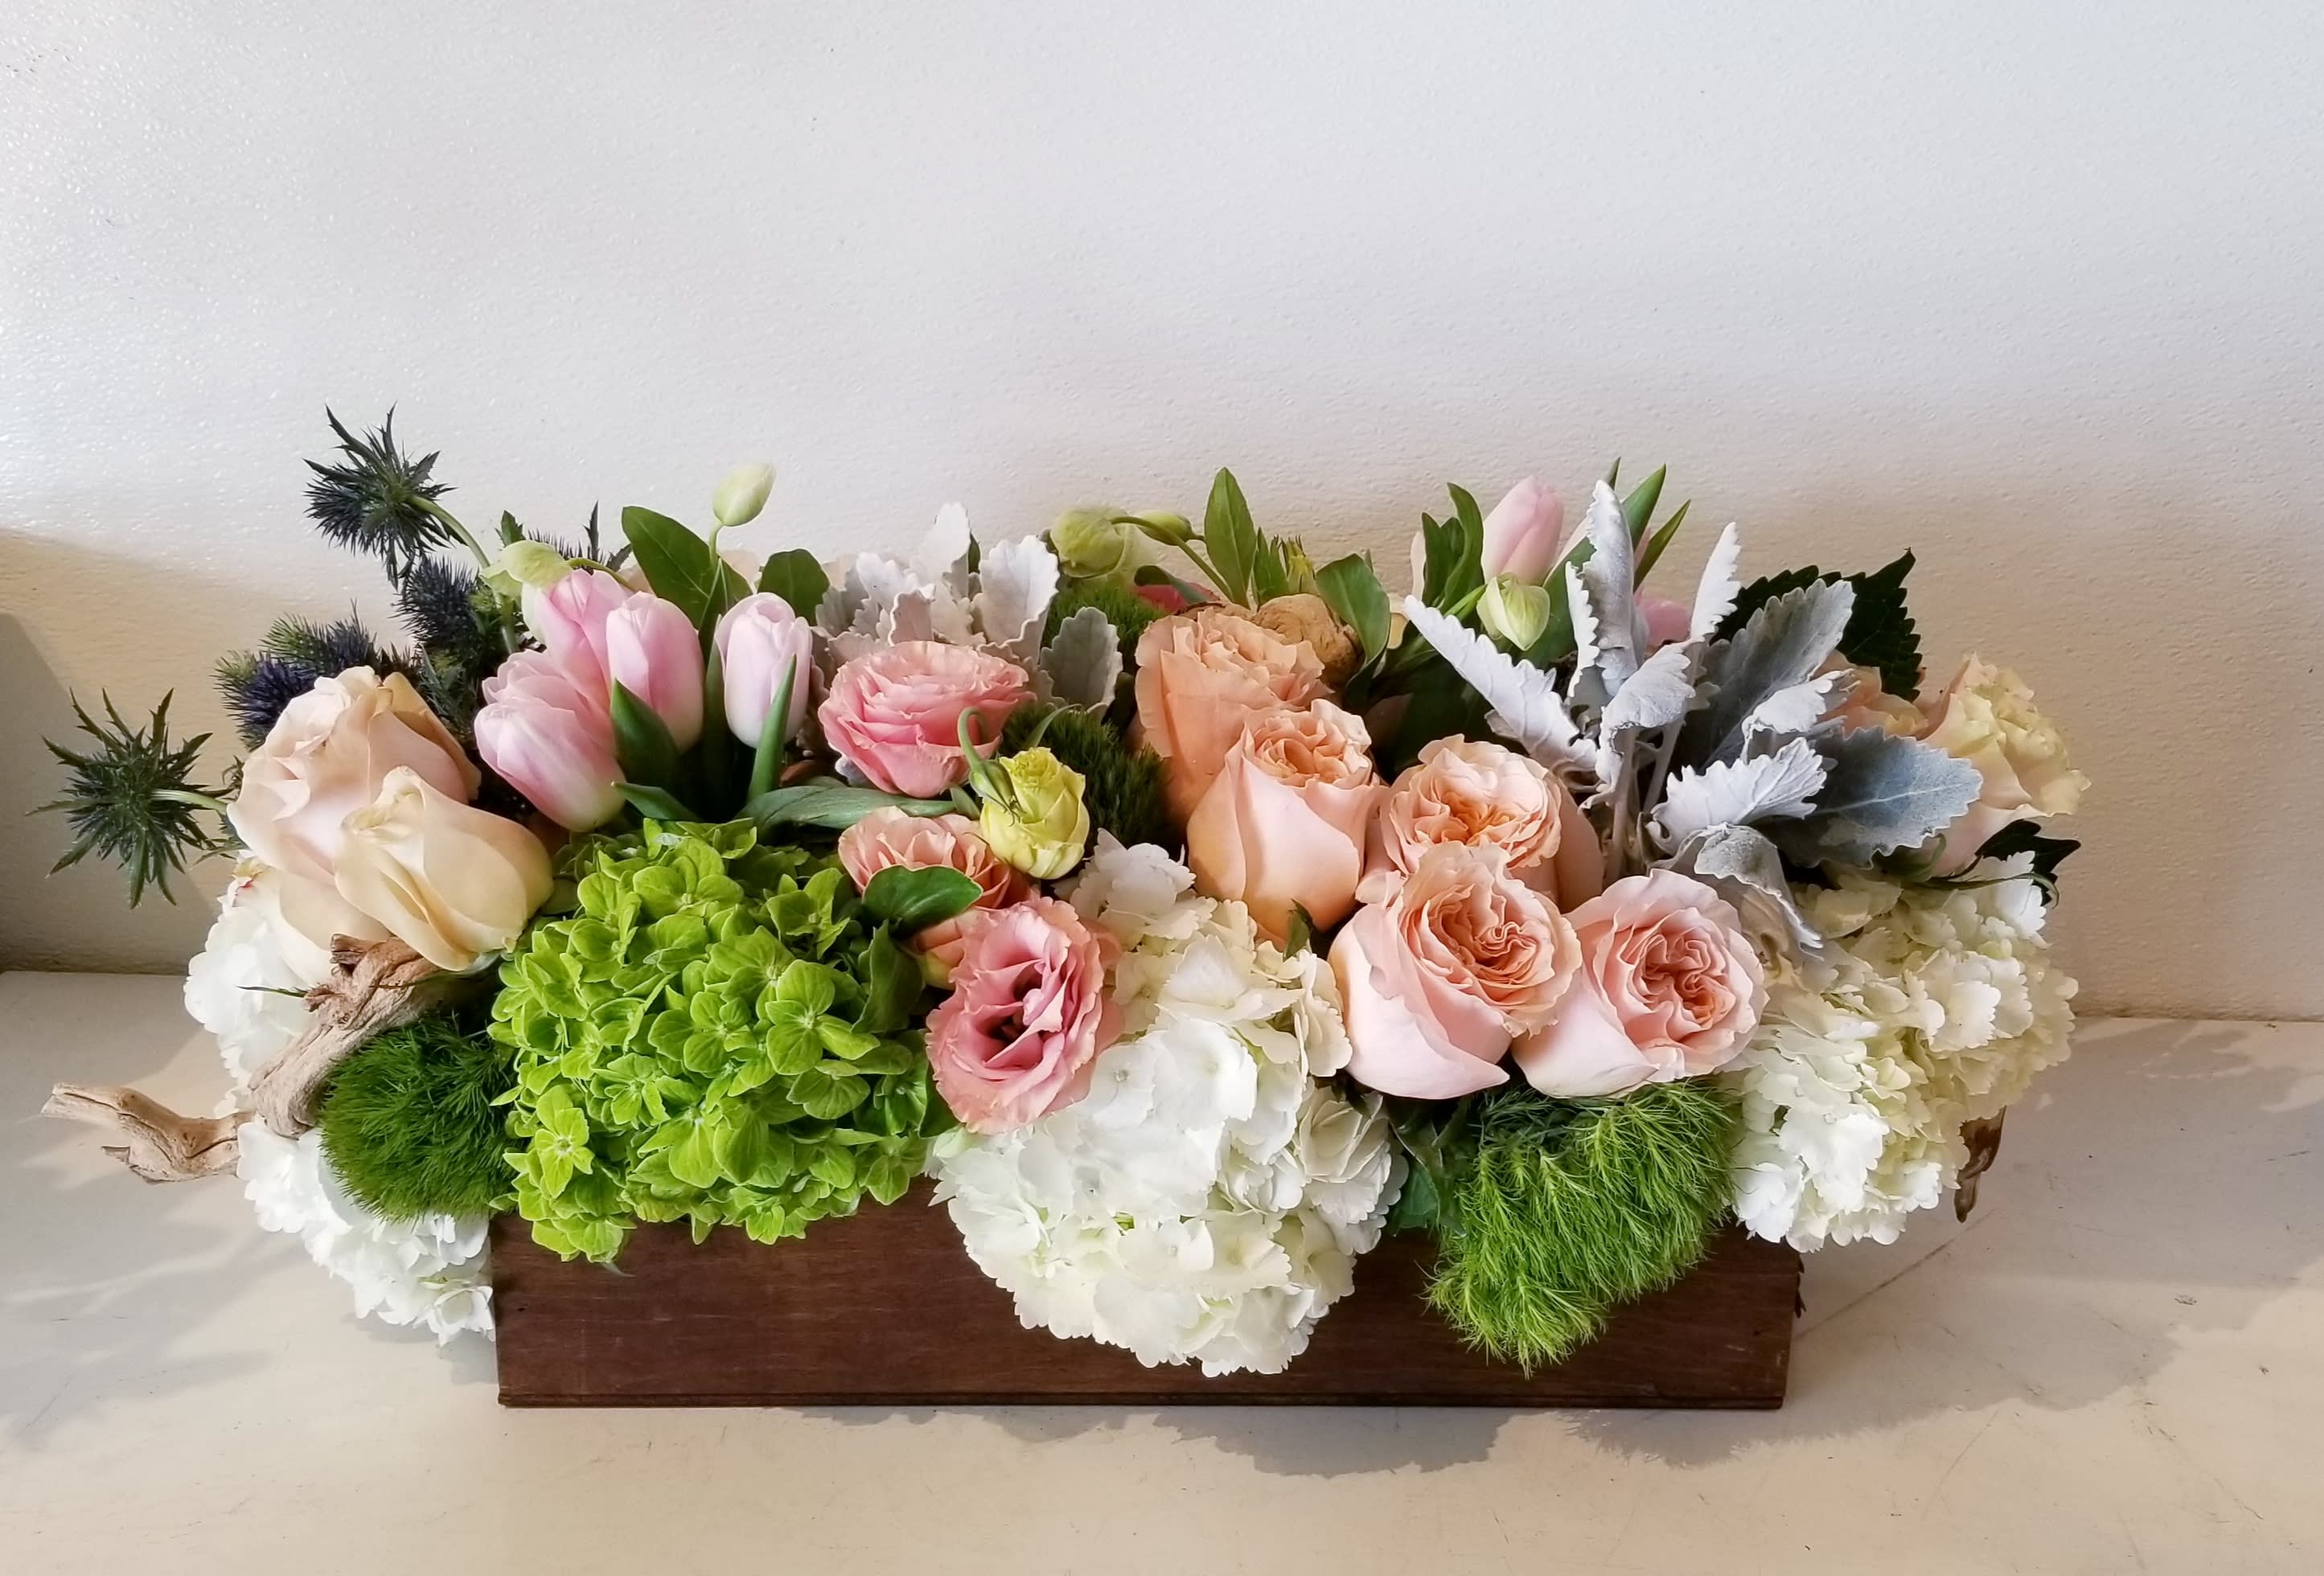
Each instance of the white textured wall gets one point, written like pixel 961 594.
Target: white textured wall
pixel 2034 289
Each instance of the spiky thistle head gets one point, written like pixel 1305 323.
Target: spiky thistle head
pixel 379 500
pixel 133 799
pixel 257 685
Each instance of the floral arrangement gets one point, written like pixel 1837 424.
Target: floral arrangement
pixel 1189 914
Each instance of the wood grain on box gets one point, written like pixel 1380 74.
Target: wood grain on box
pixel 886 1309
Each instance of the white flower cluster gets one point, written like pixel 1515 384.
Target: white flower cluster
pixel 1207 1199
pixel 1932 1007
pixel 430 1271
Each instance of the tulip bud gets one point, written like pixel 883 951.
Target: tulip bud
pixel 531 563
pixel 551 742
pixel 742 494
pixel 759 641
pixel 653 652
pixel 1037 823
pixel 1521 533
pixel 1091 540
pixel 1517 611
pixel 1172 530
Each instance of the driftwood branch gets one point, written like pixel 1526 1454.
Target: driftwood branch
pixel 161 1145
pixel 374 987
pixel 1984 1141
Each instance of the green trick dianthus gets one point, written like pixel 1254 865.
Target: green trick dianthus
pixel 410 1124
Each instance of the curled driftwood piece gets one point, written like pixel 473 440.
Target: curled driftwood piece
pixel 373 986
pixel 162 1146
pixel 1984 1141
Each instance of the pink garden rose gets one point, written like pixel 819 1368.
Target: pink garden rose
pixel 1437 980
pixel 552 741
pixel 325 758
pixel 1202 675
pixel 1027 1014
pixel 1669 988
pixel 894 715
pixel 890 839
pixel 1283 824
pixel 1521 533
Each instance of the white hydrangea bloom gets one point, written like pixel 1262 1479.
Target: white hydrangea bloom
pixel 428 1272
pixel 234 988
pixel 1932 1007
pixel 1207 1199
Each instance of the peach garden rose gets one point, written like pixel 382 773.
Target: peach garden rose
pixel 1202 675
pixel 1436 980
pixel 1284 823
pixel 889 838
pixel 1669 988
pixel 1487 795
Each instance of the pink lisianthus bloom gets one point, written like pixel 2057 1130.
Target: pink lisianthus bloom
pixel 890 839
pixel 1437 980
pixel 1669 988
pixel 1027 1014
pixel 1283 824
pixel 551 739
pixel 894 715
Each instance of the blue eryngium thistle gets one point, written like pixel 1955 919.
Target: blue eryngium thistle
pixel 257 685
pixel 382 501
pixel 133 799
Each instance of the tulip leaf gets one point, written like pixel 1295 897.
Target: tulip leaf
pixel 1231 539
pixel 832 805
pixel 1638 508
pixel 1351 588
pixel 655 804
pixel 1452 553
pixel 642 742
pixel 796 576
pixel 681 568
pixel 913 899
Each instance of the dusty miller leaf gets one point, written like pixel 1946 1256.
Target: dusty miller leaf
pixel 1608 576
pixel 1523 700
pixel 1784 643
pixel 1744 867
pixel 1082 664
pixel 1881 793
pixel 1015 582
pixel 1714 594
pixel 1739 792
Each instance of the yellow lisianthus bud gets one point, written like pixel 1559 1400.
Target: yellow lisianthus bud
pixel 742 494
pixel 1091 540
pixel 1517 611
pixel 1036 823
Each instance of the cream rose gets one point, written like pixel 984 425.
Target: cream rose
pixel 1202 675
pixel 452 882
pixel 1485 795
pixel 1987 718
pixel 1436 980
pixel 1283 824
pixel 327 757
pixel 1669 988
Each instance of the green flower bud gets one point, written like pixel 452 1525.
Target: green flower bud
pixel 1036 822
pixel 1091 540
pixel 1515 610
pixel 1172 530
pixel 740 496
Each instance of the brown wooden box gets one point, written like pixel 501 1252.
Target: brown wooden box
pixel 886 1309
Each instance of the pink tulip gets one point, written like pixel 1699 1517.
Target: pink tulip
pixel 759 639
pixel 653 652
pixel 1521 532
pixel 551 741
pixel 570 619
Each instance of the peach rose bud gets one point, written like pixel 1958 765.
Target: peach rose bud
pixel 1284 823
pixel 1669 988
pixel 890 839
pixel 1202 675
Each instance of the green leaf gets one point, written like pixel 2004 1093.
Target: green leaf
pixel 913 899
pixel 642 743
pixel 796 576
pixel 1155 575
pixel 892 985
pixel 654 804
pixel 1452 553
pixel 2026 837
pixel 681 568
pixel 1418 1207
pixel 1230 538
pixel 832 805
pixel 1350 587
pixel 1638 508
pixel 1656 544
pixel 1302 937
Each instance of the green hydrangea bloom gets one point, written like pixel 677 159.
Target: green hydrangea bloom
pixel 717 1032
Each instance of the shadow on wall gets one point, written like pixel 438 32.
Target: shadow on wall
pixel 79 918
